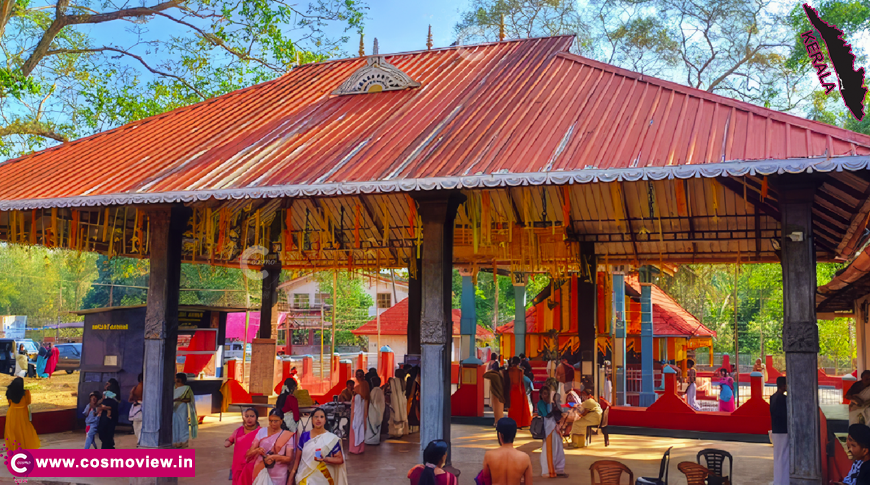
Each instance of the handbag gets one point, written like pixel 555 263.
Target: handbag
pixel 135 413
pixel 274 450
pixel 537 428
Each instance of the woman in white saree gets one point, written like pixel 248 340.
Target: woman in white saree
pixel 552 451
pixel 185 424
pixel 375 416
pixel 398 423
pixel 319 460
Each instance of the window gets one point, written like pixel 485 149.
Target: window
pixel 321 299
pixel 300 300
pixel 384 300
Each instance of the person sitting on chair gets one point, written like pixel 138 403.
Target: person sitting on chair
pixel 589 415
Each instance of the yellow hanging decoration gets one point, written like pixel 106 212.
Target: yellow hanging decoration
pixel 256 225
pixel 134 242
pixel 105 224
pixel 714 186
pixel 485 218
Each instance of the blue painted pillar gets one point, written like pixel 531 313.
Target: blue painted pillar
pixel 619 337
pixel 647 384
pixel 519 282
pixel 468 323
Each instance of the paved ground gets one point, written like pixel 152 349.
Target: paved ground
pixel 388 463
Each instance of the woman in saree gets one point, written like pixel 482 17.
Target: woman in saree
pixel 53 357
pixel 272 452
pixel 521 409
pixel 358 415
pixel 375 417
pixel 19 431
pixel 398 422
pixel 184 422
pixel 726 392
pixel 319 460
pixel 289 405
pixel 412 393
pixel 573 401
pixel 241 440
pixel 431 472
pixel 41 361
pixel 552 452
pixel 21 362
pixel 859 400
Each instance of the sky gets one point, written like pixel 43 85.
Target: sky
pixel 402 25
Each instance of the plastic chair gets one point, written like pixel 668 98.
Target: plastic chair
pixel 695 473
pixel 715 462
pixel 609 472
pixel 602 426
pixel 663 472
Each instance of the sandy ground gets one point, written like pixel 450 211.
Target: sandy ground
pixel 389 463
pixel 57 392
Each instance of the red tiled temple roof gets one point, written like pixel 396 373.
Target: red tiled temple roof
pixel 491 115
pixel 394 321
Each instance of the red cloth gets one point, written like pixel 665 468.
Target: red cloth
pixel 51 365
pixel 519 410
pixel 445 478
pixel 292 404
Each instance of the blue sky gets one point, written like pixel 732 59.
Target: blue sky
pixel 401 25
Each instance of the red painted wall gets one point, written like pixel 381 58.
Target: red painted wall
pixel 45 422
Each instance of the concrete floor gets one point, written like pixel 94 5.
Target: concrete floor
pixel 389 463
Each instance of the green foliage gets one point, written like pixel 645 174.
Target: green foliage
pixel 352 307
pixel 112 65
pixel 707 291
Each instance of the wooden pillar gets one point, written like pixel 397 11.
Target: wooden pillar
pixel 587 309
pixel 264 348
pixel 161 325
pixel 438 211
pixel 519 284
pixel 800 333
pixel 415 309
pixel 647 383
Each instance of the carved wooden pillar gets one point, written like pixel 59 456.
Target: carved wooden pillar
pixel 415 308
pixel 161 324
pixel 800 333
pixel 587 310
pixel 263 348
pixel 438 211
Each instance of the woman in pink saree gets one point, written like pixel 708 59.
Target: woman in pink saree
pixel 726 392
pixel 273 452
pixel 242 438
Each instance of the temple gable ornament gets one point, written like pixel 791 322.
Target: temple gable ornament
pixel 376 76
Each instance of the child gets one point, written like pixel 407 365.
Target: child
pixel 92 417
pixel 858 443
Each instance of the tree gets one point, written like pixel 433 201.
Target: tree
pixel 75 68
pixel 352 305
pixel 737 48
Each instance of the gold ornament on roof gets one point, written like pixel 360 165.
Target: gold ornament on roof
pixel 376 76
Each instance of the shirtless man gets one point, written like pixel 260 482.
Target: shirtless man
pixel 506 465
pixel 565 376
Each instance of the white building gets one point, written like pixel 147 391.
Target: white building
pixel 304 292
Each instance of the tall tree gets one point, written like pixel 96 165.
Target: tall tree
pixel 72 68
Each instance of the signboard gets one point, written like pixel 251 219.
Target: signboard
pixel 193 320
pixel 14 326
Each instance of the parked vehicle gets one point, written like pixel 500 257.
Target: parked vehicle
pixel 233 350
pixel 69 358
pixel 9 346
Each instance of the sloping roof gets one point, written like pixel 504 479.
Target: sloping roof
pixel 394 321
pixel 848 285
pixel 499 114
pixel 669 318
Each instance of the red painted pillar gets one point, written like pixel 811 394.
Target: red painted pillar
pixel 386 364
pixel 307 367
pixel 670 380
pixel 345 371
pixel 848 380
pixel 362 362
pixel 757 380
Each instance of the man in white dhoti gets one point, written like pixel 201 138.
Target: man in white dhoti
pixel 375 417
pixel 779 432
pixel 859 397
pixel 692 389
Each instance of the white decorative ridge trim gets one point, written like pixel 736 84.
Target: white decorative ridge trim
pixel 583 176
